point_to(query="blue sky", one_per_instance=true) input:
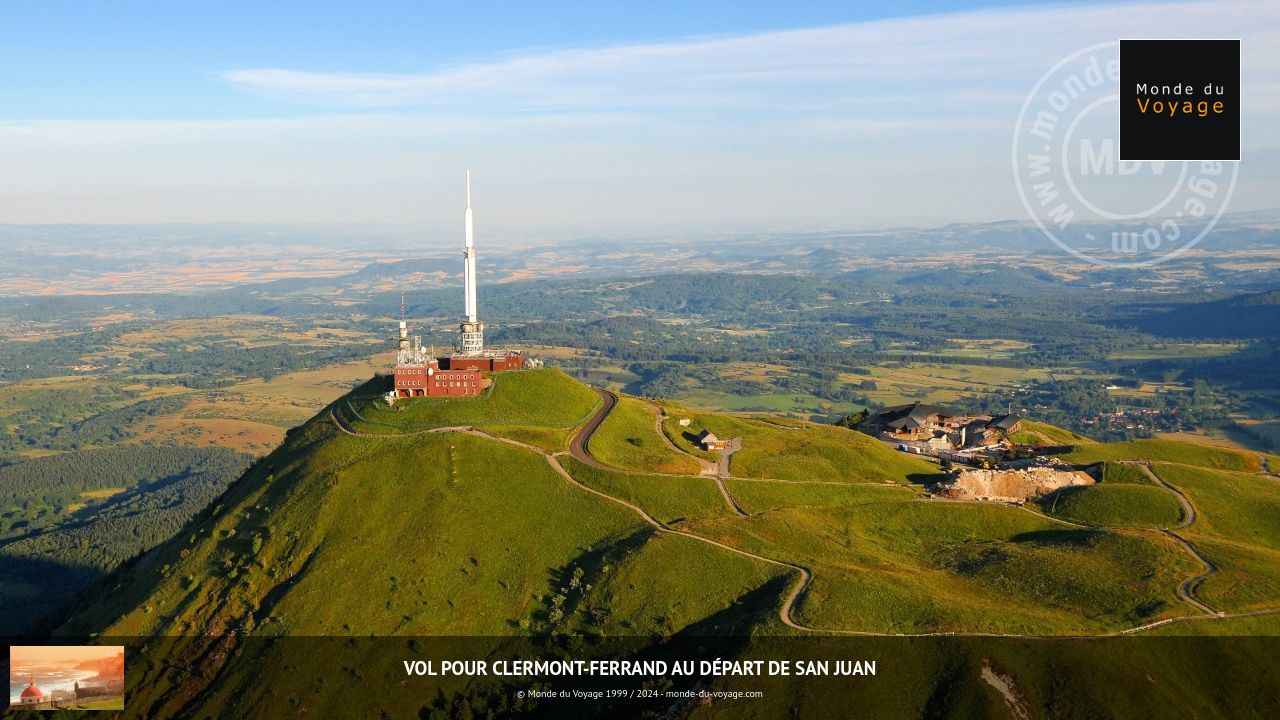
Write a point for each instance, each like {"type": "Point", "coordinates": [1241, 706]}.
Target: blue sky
{"type": "Point", "coordinates": [575, 117]}
{"type": "Point", "coordinates": [148, 60]}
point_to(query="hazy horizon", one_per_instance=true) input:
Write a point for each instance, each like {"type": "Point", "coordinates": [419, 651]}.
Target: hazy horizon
{"type": "Point", "coordinates": [841, 122]}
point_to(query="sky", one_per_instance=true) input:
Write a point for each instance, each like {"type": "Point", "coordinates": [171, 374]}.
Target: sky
{"type": "Point", "coordinates": [574, 118]}
{"type": "Point", "coordinates": [22, 654]}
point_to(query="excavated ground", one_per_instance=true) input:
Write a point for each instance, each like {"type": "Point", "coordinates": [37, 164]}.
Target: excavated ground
{"type": "Point", "coordinates": [1012, 486]}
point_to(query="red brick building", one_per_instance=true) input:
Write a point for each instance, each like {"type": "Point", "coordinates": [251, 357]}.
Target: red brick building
{"type": "Point", "coordinates": [428, 380]}
{"type": "Point", "coordinates": [490, 361]}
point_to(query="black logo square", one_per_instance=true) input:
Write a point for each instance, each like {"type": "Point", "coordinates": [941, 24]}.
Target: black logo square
{"type": "Point", "coordinates": [1179, 99]}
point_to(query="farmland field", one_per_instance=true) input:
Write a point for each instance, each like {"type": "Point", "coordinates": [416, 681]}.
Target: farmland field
{"type": "Point", "coordinates": [899, 383]}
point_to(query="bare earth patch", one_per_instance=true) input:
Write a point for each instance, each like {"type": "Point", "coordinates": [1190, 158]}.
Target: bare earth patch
{"type": "Point", "coordinates": [1012, 486]}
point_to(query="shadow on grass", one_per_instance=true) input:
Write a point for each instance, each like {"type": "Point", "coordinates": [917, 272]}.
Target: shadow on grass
{"type": "Point", "coordinates": [926, 478]}
{"type": "Point", "coordinates": [1074, 538]}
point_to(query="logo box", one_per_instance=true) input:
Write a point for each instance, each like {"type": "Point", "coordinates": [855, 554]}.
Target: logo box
{"type": "Point", "coordinates": [1180, 100]}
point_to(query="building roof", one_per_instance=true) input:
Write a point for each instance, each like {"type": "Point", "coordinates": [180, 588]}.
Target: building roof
{"type": "Point", "coordinates": [706, 436]}
{"type": "Point", "coordinates": [1004, 422]}
{"type": "Point", "coordinates": [907, 417]}
{"type": "Point", "coordinates": [32, 691]}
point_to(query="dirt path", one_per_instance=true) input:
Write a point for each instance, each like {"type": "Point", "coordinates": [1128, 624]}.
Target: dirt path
{"type": "Point", "coordinates": [1188, 510]}
{"type": "Point", "coordinates": [1266, 469]}
{"type": "Point", "coordinates": [1041, 515]}
{"type": "Point", "coordinates": [1189, 585]}
{"type": "Point", "coordinates": [803, 574]}
{"type": "Point", "coordinates": [705, 466]}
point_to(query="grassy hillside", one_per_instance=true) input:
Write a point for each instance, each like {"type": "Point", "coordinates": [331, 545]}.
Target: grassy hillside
{"type": "Point", "coordinates": [668, 499]}
{"type": "Point", "coordinates": [306, 526]}
{"type": "Point", "coordinates": [407, 533]}
{"type": "Point", "coordinates": [341, 535]}
{"type": "Point", "coordinates": [1166, 451]}
{"type": "Point", "coordinates": [1118, 505]}
{"type": "Point", "coordinates": [1237, 529]}
{"type": "Point", "coordinates": [758, 496]}
{"type": "Point", "coordinates": [1115, 473]}
{"type": "Point", "coordinates": [879, 554]}
{"type": "Point", "coordinates": [544, 398]}
{"type": "Point", "coordinates": [803, 451]}
{"type": "Point", "coordinates": [1234, 506]}
{"type": "Point", "coordinates": [627, 439]}
{"type": "Point", "coordinates": [1037, 433]}
{"type": "Point", "coordinates": [886, 559]}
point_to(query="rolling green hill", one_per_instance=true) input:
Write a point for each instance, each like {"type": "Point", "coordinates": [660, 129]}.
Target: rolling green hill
{"type": "Point", "coordinates": [627, 440]}
{"type": "Point", "coordinates": [372, 523]}
{"type": "Point", "coordinates": [539, 407]}
{"type": "Point", "coordinates": [1169, 451]}
{"type": "Point", "coordinates": [1118, 505]}
{"type": "Point", "coordinates": [1238, 529]}
{"type": "Point", "coordinates": [798, 450]}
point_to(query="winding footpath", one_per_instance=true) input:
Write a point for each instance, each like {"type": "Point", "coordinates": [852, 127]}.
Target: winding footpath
{"type": "Point", "coordinates": [719, 471]}
{"type": "Point", "coordinates": [579, 449]}
{"type": "Point", "coordinates": [705, 466]}
{"type": "Point", "coordinates": [1188, 586]}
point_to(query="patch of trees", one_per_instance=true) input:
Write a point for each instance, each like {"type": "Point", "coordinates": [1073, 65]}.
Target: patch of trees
{"type": "Point", "coordinates": [1257, 368]}
{"type": "Point", "coordinates": [1255, 315]}
{"type": "Point", "coordinates": [50, 549]}
{"type": "Point", "coordinates": [1070, 403]}
{"type": "Point", "coordinates": [216, 365]}
{"type": "Point", "coordinates": [34, 429]}
{"type": "Point", "coordinates": [60, 480]}
{"type": "Point", "coordinates": [28, 360]}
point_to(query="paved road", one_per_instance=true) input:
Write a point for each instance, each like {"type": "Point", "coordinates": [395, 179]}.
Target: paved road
{"type": "Point", "coordinates": [803, 574]}
{"type": "Point", "coordinates": [731, 447]}
{"type": "Point", "coordinates": [578, 445]}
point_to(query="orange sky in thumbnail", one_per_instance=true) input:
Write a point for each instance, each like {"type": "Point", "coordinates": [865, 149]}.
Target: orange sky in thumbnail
{"type": "Point", "coordinates": [61, 653]}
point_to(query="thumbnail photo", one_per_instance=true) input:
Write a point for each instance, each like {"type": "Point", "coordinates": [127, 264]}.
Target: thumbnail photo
{"type": "Point", "coordinates": [66, 677]}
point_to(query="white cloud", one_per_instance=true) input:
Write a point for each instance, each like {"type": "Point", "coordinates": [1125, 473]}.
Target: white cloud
{"type": "Point", "coordinates": [838, 126]}
{"type": "Point", "coordinates": [962, 55]}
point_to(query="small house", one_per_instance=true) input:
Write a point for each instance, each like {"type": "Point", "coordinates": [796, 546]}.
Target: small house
{"type": "Point", "coordinates": [707, 440]}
